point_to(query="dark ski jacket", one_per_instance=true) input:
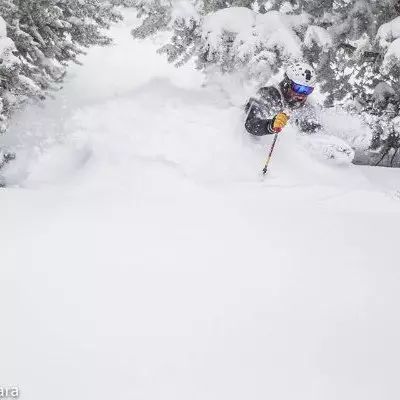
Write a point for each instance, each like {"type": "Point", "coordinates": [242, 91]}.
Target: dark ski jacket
{"type": "Point", "coordinates": [269, 102]}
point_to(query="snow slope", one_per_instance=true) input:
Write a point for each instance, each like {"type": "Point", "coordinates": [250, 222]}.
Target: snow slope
{"type": "Point", "coordinates": [143, 258]}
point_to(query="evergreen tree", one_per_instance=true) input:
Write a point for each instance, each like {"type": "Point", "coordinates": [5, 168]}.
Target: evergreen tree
{"type": "Point", "coordinates": [43, 37]}
{"type": "Point", "coordinates": [354, 45]}
{"type": "Point", "coordinates": [156, 15]}
{"type": "Point", "coordinates": [10, 67]}
{"type": "Point", "coordinates": [210, 30]}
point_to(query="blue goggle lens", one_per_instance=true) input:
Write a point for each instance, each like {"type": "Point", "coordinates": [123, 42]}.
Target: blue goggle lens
{"type": "Point", "coordinates": [301, 89]}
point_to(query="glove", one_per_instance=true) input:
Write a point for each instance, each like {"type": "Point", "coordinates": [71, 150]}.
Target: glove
{"type": "Point", "coordinates": [279, 122]}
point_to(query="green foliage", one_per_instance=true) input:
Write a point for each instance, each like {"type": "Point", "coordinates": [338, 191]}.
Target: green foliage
{"type": "Point", "coordinates": [44, 36]}
{"type": "Point", "coordinates": [156, 13]}
{"type": "Point", "coordinates": [184, 42]}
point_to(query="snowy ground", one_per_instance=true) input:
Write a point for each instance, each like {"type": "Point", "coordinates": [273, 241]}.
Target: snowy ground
{"type": "Point", "coordinates": [142, 257]}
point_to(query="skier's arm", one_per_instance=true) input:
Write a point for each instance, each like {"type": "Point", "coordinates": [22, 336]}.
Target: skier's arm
{"type": "Point", "coordinates": [308, 120]}
{"type": "Point", "coordinates": [261, 111]}
{"type": "Point", "coordinates": [308, 125]}
{"type": "Point", "coordinates": [255, 123]}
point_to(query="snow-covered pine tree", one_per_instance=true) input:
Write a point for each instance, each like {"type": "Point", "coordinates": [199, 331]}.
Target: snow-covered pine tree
{"type": "Point", "coordinates": [10, 67]}
{"type": "Point", "coordinates": [47, 35]}
{"type": "Point", "coordinates": [229, 35]}
{"type": "Point", "coordinates": [156, 15]}
{"type": "Point", "coordinates": [368, 37]}
{"type": "Point", "coordinates": [15, 69]}
{"type": "Point", "coordinates": [159, 15]}
{"type": "Point", "coordinates": [382, 102]}
{"type": "Point", "coordinates": [354, 45]}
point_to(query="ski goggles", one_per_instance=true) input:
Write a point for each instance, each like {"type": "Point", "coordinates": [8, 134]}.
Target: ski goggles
{"type": "Point", "coordinates": [301, 89]}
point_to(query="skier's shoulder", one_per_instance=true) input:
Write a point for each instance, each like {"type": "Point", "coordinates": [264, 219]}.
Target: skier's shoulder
{"type": "Point", "coordinates": [266, 98]}
{"type": "Point", "coordinates": [269, 93]}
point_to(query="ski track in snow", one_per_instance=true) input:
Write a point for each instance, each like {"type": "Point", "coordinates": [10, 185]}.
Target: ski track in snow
{"type": "Point", "coordinates": [143, 257]}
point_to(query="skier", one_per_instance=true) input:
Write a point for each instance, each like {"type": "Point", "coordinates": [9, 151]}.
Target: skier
{"type": "Point", "coordinates": [265, 114]}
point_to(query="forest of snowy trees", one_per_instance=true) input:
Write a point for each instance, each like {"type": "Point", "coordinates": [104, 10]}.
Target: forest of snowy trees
{"type": "Point", "coordinates": [354, 45]}
{"type": "Point", "coordinates": [38, 38]}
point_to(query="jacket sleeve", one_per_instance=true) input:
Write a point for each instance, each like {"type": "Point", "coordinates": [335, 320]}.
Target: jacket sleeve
{"type": "Point", "coordinates": [261, 111]}
{"type": "Point", "coordinates": [307, 121]}
{"type": "Point", "coordinates": [307, 125]}
{"type": "Point", "coordinates": [255, 123]}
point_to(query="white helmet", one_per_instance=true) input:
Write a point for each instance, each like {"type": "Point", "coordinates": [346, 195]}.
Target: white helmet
{"type": "Point", "coordinates": [302, 74]}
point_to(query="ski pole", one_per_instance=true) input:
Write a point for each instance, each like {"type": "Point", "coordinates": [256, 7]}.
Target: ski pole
{"type": "Point", "coordinates": [264, 171]}
{"type": "Point", "coordinates": [277, 131]}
